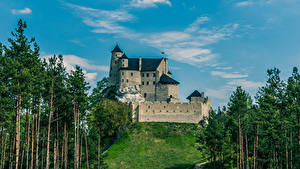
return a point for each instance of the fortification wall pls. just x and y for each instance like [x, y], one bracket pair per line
[170, 112]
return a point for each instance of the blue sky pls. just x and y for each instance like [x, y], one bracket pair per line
[212, 46]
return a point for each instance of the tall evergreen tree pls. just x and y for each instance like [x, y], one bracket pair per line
[23, 53]
[78, 89]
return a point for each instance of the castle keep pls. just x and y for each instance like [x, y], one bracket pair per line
[150, 80]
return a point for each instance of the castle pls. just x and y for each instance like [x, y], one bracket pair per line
[152, 80]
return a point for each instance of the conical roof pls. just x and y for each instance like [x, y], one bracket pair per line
[164, 79]
[124, 56]
[196, 93]
[117, 49]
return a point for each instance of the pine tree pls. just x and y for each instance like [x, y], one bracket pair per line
[78, 88]
[22, 53]
[270, 129]
[238, 107]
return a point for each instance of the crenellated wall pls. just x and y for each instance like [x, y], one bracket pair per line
[170, 112]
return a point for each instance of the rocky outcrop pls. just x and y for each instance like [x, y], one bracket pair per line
[130, 95]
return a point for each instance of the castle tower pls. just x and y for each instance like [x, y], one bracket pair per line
[116, 54]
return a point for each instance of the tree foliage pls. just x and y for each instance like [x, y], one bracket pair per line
[262, 135]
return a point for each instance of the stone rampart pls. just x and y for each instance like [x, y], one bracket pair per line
[170, 112]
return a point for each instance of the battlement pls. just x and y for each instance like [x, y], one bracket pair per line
[161, 111]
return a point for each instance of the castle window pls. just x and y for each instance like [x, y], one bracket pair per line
[171, 96]
[153, 82]
[154, 74]
[122, 73]
[147, 83]
[122, 80]
[164, 107]
[143, 83]
[143, 75]
[147, 74]
[145, 95]
[127, 80]
[148, 107]
[131, 74]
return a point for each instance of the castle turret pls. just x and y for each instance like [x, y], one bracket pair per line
[116, 54]
[124, 61]
[196, 97]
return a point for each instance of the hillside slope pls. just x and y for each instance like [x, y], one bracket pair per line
[156, 145]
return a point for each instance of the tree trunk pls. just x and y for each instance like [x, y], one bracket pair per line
[3, 153]
[78, 136]
[286, 153]
[254, 153]
[13, 142]
[86, 152]
[28, 140]
[32, 141]
[1, 148]
[43, 146]
[66, 145]
[38, 134]
[240, 143]
[99, 151]
[18, 134]
[54, 154]
[75, 138]
[80, 154]
[247, 153]
[49, 129]
[22, 156]
[291, 151]
[237, 153]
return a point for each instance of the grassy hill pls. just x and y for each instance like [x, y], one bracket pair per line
[156, 145]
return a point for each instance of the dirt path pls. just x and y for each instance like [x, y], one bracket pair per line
[199, 166]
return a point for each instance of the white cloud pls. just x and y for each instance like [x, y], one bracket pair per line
[148, 3]
[70, 61]
[223, 93]
[104, 21]
[223, 68]
[24, 11]
[244, 3]
[248, 85]
[228, 75]
[253, 2]
[195, 25]
[188, 45]
[90, 77]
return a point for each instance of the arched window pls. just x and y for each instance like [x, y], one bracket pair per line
[145, 95]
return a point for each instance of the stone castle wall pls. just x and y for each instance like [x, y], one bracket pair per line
[170, 112]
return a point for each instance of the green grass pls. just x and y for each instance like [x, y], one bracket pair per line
[156, 145]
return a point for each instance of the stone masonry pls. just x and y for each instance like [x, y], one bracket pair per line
[156, 92]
